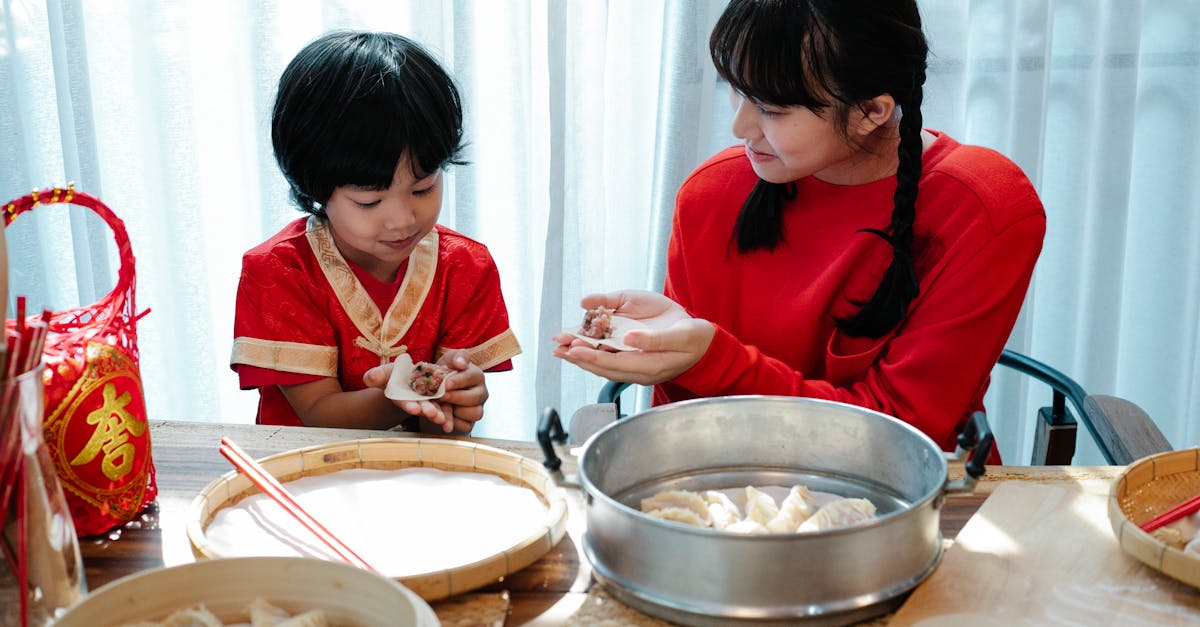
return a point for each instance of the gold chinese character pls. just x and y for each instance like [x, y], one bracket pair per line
[114, 424]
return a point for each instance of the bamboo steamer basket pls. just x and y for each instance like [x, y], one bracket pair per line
[393, 454]
[1147, 488]
[348, 596]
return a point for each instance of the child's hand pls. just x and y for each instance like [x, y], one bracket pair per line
[672, 342]
[457, 410]
[465, 393]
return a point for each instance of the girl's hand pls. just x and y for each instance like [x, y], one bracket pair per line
[673, 342]
[457, 410]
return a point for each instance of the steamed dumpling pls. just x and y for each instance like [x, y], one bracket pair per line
[722, 509]
[312, 618]
[678, 514]
[840, 513]
[747, 526]
[263, 614]
[678, 499]
[798, 507]
[760, 507]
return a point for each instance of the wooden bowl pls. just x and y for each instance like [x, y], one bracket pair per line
[396, 453]
[350, 597]
[1147, 488]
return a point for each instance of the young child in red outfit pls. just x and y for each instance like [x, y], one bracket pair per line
[363, 127]
[842, 251]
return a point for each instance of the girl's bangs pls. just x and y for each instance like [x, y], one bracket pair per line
[767, 53]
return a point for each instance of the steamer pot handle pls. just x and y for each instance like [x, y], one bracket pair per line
[550, 430]
[976, 435]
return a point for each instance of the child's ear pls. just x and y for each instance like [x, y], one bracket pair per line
[875, 112]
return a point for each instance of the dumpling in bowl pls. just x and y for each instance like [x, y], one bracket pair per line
[840, 513]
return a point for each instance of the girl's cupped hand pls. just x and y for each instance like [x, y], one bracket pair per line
[672, 342]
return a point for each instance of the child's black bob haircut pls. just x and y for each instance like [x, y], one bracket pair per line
[351, 104]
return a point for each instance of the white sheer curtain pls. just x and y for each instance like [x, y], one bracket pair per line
[583, 118]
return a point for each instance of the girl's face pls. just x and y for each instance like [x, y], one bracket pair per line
[789, 143]
[378, 229]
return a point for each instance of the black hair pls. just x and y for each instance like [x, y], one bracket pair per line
[351, 104]
[832, 55]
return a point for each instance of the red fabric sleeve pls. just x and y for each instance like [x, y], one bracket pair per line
[277, 302]
[475, 312]
[928, 369]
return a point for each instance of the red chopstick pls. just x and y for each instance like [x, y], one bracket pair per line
[1175, 513]
[272, 488]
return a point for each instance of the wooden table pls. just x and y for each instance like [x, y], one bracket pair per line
[557, 589]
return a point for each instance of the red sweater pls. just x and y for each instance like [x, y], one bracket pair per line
[978, 232]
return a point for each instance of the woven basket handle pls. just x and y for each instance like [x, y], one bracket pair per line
[56, 195]
[3, 273]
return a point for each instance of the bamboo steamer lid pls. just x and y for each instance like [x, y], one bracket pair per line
[1147, 488]
[393, 454]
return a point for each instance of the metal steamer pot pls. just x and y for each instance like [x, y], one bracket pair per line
[704, 576]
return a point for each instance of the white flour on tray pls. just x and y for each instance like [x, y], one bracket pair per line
[403, 522]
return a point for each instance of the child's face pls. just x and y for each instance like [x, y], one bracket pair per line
[378, 229]
[785, 144]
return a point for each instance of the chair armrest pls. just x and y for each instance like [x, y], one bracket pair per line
[1125, 428]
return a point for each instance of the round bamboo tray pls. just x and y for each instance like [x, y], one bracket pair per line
[396, 453]
[1147, 488]
[347, 595]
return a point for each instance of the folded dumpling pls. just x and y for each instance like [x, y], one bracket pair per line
[312, 618]
[678, 514]
[678, 500]
[760, 507]
[840, 513]
[722, 509]
[263, 614]
[798, 507]
[747, 526]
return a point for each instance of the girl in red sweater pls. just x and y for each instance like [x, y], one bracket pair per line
[841, 251]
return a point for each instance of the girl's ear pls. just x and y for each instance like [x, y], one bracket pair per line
[874, 113]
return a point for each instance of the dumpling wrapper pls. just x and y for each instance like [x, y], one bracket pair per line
[398, 388]
[840, 513]
[760, 507]
[679, 500]
[723, 511]
[620, 326]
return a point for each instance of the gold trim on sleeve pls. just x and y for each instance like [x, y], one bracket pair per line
[491, 352]
[286, 356]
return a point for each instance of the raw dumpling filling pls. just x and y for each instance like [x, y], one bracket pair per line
[597, 323]
[426, 378]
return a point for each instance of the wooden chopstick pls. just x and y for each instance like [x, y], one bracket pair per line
[1175, 513]
[272, 488]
